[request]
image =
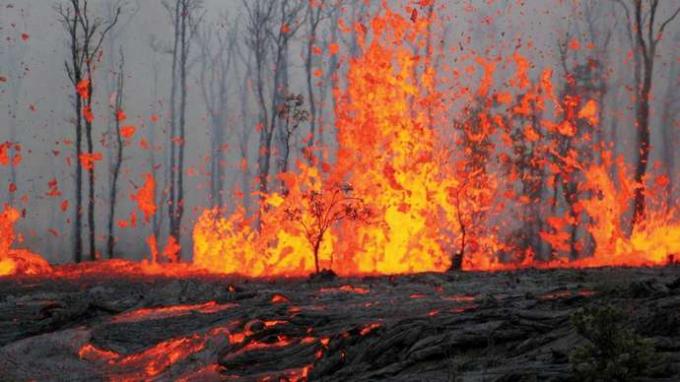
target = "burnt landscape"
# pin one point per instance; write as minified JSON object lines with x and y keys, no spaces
{"x":503,"y":326}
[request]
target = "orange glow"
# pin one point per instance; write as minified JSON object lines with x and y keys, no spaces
{"x":176,"y":310}
{"x":345,"y":288}
{"x":386,"y":154}
{"x":426,"y":173}
{"x":279,"y":299}
{"x":433,"y":191}
{"x":16,"y":261}
{"x":145,"y":198}
{"x":148,"y":363}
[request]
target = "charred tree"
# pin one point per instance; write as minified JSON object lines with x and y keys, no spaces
{"x":244,"y":133}
{"x":118,"y":159}
{"x":316,"y":13}
{"x":669,"y":119}
{"x":292,"y":115}
{"x":185,"y":17}
{"x":85,"y":36}
{"x":287,"y":23}
{"x":583,"y":86}
{"x":473,"y":195}
{"x":260,"y":14}
{"x":217,"y":45}
{"x":645,"y":34}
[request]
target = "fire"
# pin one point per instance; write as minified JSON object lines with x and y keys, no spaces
{"x":433,"y":192}
{"x":389,"y":159}
{"x":16,"y":261}
{"x":425,"y":174}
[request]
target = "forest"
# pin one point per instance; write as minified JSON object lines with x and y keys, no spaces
{"x":293,"y":190}
{"x":282,"y":137}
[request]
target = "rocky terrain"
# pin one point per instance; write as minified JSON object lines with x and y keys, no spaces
{"x":426,"y":327}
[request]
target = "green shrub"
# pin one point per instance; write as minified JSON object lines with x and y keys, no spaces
{"x":614,"y":352}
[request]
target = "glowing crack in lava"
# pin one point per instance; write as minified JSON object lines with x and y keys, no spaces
{"x":426,"y":203}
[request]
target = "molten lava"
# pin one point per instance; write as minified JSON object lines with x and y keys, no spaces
{"x":428,"y":174}
{"x":16,"y":261}
{"x":427,"y":204}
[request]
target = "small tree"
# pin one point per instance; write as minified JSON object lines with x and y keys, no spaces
{"x":320,"y":210}
{"x":613,"y":352}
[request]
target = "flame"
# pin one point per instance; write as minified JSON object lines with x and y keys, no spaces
{"x":16,"y":261}
{"x":433,"y":191}
{"x":414,"y":186}
{"x":386,"y":154}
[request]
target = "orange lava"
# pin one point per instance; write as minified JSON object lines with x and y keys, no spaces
{"x":434,"y":190}
{"x":345,"y":288}
{"x":169,"y":311}
{"x":17,"y":261}
{"x":410,"y":185}
{"x":151,"y":362}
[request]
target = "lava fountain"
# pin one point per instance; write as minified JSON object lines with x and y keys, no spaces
{"x":424,"y":201}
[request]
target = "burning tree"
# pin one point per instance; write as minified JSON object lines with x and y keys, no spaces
{"x":320,"y":210}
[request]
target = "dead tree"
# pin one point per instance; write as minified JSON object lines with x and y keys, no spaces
{"x":185,"y":16}
{"x":645,"y":34}
{"x":599,"y":31}
{"x":155,"y":109}
{"x":571,"y":152}
{"x":244,"y":133}
{"x":320,"y":210}
{"x":526,"y":162}
{"x":271,"y":25}
{"x":669,"y":122}
{"x":288,"y":21}
{"x":292,"y":115}
{"x":260,"y":15}
{"x":217,"y":44}
{"x":473,"y":196}
{"x":316,"y":13}
{"x":85,"y":38}
{"x":118,"y":159}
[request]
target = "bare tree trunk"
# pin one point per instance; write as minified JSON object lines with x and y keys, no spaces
{"x":314,"y":17}
{"x":184,"y":51}
{"x":69,"y":20}
{"x":118,"y":161}
{"x":172,"y":204}
{"x":78,"y":209}
{"x":85,"y":47}
{"x":185,"y":21}
{"x":644,"y":36}
{"x":671,"y":109}
{"x":642,"y":119}
{"x":90,"y":175}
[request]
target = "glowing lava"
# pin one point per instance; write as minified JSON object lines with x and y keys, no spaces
{"x":434,"y":191}
{"x":16,"y":261}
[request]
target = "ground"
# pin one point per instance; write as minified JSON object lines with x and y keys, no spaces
{"x":425,"y":327}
